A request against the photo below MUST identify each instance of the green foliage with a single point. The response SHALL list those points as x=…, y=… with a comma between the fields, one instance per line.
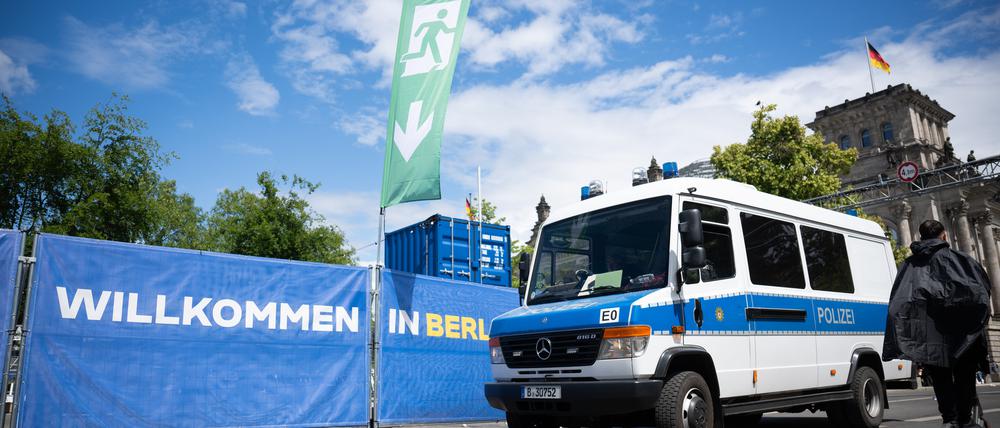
x=779, y=158
x=489, y=212
x=516, y=249
x=105, y=183
x=898, y=253
x=271, y=224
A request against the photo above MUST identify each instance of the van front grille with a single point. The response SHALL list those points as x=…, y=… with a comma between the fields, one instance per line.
x=569, y=348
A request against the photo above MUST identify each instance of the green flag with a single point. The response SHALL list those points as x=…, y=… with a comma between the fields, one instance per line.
x=429, y=35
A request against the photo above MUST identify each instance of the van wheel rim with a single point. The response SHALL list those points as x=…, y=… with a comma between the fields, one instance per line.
x=694, y=409
x=873, y=400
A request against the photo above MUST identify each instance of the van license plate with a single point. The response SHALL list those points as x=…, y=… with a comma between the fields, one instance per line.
x=541, y=392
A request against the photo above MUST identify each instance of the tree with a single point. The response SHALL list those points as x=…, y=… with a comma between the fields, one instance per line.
x=270, y=224
x=516, y=249
x=779, y=158
x=489, y=212
x=103, y=184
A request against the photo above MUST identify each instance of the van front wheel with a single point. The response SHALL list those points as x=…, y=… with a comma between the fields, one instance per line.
x=866, y=407
x=685, y=401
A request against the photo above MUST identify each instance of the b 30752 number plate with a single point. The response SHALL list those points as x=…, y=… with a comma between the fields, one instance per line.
x=541, y=392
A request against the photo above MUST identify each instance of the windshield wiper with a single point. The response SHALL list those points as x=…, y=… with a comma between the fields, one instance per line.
x=597, y=290
x=547, y=298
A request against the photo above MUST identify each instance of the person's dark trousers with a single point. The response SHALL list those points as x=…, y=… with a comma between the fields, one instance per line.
x=955, y=389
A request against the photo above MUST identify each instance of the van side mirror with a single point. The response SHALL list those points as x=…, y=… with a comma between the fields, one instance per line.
x=690, y=228
x=693, y=255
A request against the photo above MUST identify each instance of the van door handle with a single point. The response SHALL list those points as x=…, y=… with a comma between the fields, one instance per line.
x=776, y=314
x=699, y=317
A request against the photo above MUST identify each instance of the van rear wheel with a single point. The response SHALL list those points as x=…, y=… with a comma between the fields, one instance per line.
x=685, y=401
x=865, y=409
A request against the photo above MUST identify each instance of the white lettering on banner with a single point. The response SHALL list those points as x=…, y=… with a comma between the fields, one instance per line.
x=834, y=316
x=133, y=310
x=82, y=297
x=161, y=308
x=269, y=314
x=323, y=318
x=300, y=315
x=226, y=313
x=221, y=320
x=196, y=311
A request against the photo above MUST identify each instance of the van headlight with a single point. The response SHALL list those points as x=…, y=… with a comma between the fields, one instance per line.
x=624, y=342
x=496, y=355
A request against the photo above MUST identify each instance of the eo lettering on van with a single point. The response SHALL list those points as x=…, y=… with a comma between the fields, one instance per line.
x=609, y=315
x=226, y=313
x=834, y=316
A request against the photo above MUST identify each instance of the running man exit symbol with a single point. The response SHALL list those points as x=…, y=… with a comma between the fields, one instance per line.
x=431, y=38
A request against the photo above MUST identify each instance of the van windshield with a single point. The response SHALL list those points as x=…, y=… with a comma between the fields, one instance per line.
x=614, y=250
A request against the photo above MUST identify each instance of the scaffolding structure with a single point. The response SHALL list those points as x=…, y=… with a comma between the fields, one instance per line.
x=982, y=171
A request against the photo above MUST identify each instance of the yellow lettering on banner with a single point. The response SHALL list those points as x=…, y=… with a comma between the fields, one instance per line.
x=434, y=328
x=469, y=327
x=451, y=326
x=482, y=331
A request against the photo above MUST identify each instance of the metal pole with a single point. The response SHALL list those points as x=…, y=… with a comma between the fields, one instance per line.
x=24, y=332
x=22, y=264
x=376, y=286
x=479, y=247
x=868, y=61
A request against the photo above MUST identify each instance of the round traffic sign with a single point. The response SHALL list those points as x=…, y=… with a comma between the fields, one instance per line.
x=907, y=171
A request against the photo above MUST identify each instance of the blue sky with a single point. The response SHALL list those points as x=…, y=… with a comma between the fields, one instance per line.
x=547, y=94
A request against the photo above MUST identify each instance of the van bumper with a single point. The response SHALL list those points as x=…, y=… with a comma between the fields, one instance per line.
x=589, y=398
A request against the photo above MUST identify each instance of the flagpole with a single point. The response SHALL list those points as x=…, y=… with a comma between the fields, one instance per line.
x=868, y=61
x=479, y=185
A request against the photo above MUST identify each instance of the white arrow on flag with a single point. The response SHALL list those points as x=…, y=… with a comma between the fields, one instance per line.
x=409, y=139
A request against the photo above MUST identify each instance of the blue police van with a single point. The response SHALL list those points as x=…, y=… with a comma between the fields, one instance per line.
x=693, y=303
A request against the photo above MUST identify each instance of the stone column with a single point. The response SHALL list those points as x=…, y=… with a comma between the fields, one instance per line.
x=905, y=233
x=964, y=232
x=991, y=256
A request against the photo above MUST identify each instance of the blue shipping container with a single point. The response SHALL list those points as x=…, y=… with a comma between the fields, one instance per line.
x=441, y=246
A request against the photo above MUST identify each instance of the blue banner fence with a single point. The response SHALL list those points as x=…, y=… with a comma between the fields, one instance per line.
x=434, y=348
x=131, y=335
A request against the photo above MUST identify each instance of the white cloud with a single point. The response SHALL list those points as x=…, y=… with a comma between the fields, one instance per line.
x=559, y=33
x=553, y=138
x=719, y=28
x=256, y=96
x=368, y=128
x=248, y=149
x=134, y=57
x=14, y=77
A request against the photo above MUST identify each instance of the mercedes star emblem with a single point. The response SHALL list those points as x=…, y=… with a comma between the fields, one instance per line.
x=543, y=347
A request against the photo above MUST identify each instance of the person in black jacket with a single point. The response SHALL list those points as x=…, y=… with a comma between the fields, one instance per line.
x=938, y=311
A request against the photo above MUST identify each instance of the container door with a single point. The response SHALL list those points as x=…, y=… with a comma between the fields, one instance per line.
x=781, y=309
x=715, y=303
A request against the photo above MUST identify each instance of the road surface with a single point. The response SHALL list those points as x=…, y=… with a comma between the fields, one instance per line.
x=907, y=408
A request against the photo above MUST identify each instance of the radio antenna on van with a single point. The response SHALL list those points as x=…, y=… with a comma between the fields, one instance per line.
x=692, y=189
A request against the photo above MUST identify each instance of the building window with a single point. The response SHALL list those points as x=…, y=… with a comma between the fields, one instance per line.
x=866, y=138
x=845, y=142
x=772, y=252
x=887, y=132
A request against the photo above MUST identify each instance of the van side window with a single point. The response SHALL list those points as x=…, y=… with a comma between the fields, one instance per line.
x=827, y=261
x=709, y=213
x=772, y=252
x=718, y=242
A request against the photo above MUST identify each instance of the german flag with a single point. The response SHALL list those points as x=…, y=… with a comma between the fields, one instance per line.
x=468, y=209
x=876, y=59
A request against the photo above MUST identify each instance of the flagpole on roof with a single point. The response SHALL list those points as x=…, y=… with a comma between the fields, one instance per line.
x=479, y=185
x=868, y=62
